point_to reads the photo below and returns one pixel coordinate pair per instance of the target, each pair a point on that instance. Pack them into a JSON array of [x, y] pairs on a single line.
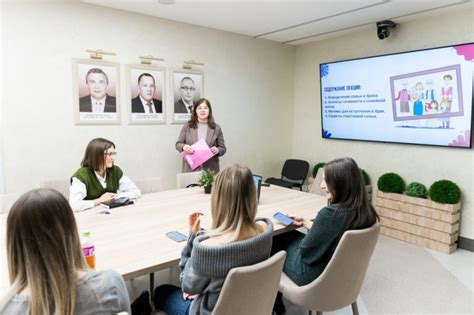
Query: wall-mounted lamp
[[146, 60], [97, 54], [189, 63]]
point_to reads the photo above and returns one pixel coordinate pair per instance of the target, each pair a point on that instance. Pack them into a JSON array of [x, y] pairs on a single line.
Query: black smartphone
[[283, 218], [177, 236], [121, 200]]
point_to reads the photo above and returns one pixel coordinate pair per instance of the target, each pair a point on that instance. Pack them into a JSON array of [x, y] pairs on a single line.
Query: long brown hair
[[233, 202], [194, 117], [344, 181], [94, 156], [44, 252]]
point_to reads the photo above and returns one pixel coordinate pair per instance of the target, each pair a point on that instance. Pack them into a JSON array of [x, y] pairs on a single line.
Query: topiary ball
[[445, 191], [317, 167], [417, 190], [365, 176], [391, 183]]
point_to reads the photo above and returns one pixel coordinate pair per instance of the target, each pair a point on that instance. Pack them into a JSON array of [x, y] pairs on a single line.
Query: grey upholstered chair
[[340, 283], [251, 289], [185, 179], [149, 185], [7, 201], [61, 185]]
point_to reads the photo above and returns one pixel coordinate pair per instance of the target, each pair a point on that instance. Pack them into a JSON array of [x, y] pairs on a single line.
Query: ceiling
[[286, 21]]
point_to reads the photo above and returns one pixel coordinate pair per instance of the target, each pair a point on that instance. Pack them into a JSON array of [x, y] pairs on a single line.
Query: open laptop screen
[[257, 179]]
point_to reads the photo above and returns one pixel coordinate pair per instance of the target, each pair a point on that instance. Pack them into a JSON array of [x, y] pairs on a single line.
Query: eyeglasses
[[188, 88], [111, 154]]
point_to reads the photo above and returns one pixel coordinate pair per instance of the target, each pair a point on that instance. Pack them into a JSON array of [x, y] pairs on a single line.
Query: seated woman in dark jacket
[[235, 239], [348, 209]]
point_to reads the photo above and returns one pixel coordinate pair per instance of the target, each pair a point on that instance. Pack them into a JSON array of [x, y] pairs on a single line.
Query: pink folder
[[201, 154]]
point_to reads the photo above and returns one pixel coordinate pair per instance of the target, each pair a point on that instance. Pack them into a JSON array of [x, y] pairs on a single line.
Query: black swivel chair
[[296, 170]]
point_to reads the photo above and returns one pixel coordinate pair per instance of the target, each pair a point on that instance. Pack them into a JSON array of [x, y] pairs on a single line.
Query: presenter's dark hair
[[344, 181], [94, 156], [194, 118], [97, 70], [145, 75]]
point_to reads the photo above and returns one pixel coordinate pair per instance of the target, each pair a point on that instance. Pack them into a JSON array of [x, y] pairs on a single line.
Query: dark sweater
[[308, 255], [93, 186]]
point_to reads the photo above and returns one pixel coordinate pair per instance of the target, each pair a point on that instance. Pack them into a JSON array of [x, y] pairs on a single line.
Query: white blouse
[[78, 191]]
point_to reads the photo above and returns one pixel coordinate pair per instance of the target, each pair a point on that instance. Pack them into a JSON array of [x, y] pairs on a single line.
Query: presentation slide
[[420, 97]]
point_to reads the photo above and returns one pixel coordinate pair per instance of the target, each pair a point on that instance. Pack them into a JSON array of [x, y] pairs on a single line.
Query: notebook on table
[[123, 201]]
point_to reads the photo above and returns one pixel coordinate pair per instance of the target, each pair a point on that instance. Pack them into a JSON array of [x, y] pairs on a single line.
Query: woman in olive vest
[[99, 180]]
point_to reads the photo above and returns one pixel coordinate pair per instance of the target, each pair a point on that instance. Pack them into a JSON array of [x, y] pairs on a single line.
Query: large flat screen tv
[[418, 97]]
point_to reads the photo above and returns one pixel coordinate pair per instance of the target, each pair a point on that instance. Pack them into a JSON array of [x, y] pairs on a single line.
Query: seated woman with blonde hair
[[235, 239], [48, 273]]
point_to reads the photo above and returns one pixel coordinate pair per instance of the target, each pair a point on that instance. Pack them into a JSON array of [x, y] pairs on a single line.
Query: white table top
[[132, 240]]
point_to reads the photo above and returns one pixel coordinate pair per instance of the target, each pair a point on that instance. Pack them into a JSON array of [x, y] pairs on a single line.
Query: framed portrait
[[145, 94], [188, 87], [96, 92]]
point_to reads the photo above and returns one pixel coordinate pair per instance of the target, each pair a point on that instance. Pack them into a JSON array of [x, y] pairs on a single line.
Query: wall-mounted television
[[417, 97]]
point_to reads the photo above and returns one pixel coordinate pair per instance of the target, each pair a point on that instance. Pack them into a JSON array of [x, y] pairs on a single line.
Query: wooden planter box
[[419, 221]]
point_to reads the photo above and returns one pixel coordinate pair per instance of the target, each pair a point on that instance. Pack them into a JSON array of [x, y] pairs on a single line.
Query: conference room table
[[132, 239]]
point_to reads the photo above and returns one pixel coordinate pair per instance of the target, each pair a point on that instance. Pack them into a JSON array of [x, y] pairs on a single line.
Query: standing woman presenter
[[202, 126]]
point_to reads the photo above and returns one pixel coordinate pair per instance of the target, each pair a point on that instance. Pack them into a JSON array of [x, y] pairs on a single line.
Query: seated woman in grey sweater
[[235, 239], [48, 273]]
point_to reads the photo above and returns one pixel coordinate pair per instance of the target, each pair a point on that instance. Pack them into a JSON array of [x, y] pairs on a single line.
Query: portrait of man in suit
[[97, 101], [186, 89], [145, 101]]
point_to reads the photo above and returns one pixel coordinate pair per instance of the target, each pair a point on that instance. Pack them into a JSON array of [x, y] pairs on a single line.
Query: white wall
[[252, 84], [413, 163], [248, 81]]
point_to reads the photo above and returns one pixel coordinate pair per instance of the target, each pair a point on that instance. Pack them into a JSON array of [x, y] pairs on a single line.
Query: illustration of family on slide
[[426, 100]]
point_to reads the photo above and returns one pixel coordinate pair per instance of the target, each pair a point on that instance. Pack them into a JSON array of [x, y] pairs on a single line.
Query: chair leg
[[152, 285], [355, 310]]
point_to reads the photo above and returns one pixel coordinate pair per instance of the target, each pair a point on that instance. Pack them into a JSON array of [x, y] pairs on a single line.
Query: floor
[[402, 279], [406, 279]]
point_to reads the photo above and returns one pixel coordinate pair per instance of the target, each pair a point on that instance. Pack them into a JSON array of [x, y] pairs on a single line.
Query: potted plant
[[417, 190], [312, 179], [428, 218], [206, 180], [445, 191], [317, 167]]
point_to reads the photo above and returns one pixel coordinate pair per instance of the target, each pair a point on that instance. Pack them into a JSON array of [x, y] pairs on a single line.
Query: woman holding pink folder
[[202, 126]]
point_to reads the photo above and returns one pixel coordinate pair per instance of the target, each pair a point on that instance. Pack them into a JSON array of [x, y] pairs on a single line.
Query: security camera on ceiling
[[384, 28]]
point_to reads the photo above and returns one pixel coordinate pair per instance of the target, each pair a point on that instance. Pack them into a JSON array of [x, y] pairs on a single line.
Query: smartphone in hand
[[176, 236], [283, 218]]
